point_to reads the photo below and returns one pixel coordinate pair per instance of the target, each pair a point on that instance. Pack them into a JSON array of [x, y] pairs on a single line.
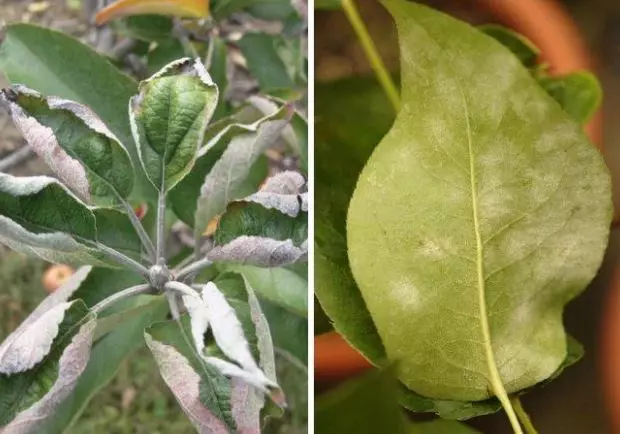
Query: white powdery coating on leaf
[[184, 382], [85, 114], [259, 251], [42, 140], [226, 327], [56, 247], [71, 365], [246, 404], [33, 343], [256, 378], [304, 202], [288, 182], [199, 320]]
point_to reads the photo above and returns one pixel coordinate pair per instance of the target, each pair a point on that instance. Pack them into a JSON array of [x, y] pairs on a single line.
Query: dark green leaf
[[169, 118], [163, 53], [219, 73], [289, 330], [114, 229], [264, 62], [519, 45], [149, 28]]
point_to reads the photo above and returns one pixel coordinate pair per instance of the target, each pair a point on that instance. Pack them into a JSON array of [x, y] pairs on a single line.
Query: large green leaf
[[114, 229], [39, 216], [289, 330], [486, 185], [74, 142], [169, 117], [66, 68], [341, 150]]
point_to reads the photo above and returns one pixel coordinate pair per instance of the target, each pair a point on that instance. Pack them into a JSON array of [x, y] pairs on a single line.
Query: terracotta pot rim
[[551, 29]]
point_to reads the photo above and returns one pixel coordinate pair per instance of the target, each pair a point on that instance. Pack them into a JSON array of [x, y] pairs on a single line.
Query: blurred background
[[581, 400]]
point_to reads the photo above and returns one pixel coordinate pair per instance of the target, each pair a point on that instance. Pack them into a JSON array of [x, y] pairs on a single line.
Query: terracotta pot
[[550, 28]]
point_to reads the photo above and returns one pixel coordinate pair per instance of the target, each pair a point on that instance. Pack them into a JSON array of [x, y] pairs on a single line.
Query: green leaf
[[327, 4], [66, 68], [114, 229], [341, 150], [202, 392], [100, 283], [106, 356], [365, 405], [579, 93], [518, 44], [289, 330], [485, 186], [300, 128], [225, 181], [39, 216], [169, 118], [74, 142], [149, 28], [29, 397], [278, 285], [163, 53], [264, 63], [219, 72]]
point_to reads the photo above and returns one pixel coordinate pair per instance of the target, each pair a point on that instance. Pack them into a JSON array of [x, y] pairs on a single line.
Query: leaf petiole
[[137, 224], [523, 416], [122, 259], [193, 268], [125, 293], [161, 228]]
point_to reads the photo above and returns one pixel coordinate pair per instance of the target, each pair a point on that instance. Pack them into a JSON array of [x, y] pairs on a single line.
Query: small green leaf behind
[[31, 395], [148, 28], [74, 142], [40, 217], [265, 63], [579, 93], [225, 181], [169, 117]]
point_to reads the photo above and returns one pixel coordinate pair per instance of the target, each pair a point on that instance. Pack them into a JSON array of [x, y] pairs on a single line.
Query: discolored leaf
[[39, 216], [204, 391], [468, 196], [30, 397], [169, 117], [224, 181], [174, 8], [74, 142], [259, 251], [283, 193]]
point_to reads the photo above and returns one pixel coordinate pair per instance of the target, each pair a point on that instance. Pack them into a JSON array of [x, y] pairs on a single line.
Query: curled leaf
[[74, 142], [223, 183], [28, 347], [281, 192], [259, 251], [174, 8], [169, 117]]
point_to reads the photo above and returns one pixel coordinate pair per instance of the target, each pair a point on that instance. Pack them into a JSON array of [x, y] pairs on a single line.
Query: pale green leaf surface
[[482, 183]]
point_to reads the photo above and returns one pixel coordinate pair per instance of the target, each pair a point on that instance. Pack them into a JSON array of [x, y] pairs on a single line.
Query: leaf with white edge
[[252, 219], [485, 186], [281, 192], [29, 347], [223, 183], [31, 396], [39, 216], [184, 382], [74, 142], [259, 251], [209, 389], [169, 117]]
